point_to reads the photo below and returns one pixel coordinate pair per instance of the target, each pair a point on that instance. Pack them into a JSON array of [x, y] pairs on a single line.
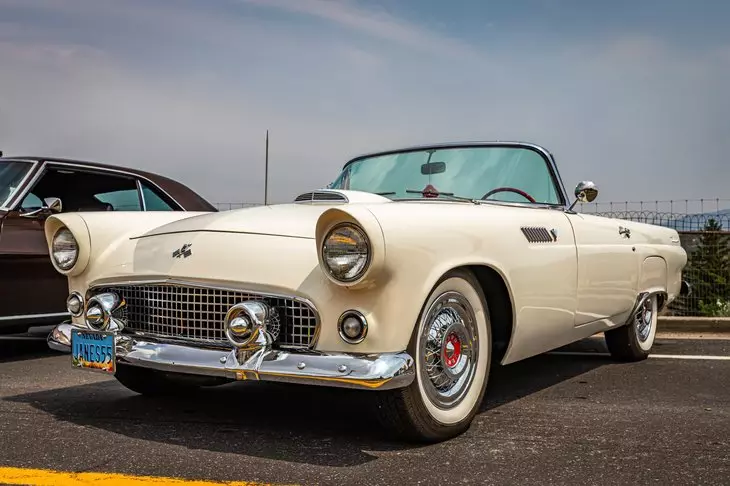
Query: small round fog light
[[352, 327], [75, 304]]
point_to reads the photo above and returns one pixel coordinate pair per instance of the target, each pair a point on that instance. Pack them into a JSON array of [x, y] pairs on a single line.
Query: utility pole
[[266, 172]]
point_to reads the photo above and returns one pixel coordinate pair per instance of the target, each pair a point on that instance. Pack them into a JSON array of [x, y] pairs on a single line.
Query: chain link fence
[[704, 230]]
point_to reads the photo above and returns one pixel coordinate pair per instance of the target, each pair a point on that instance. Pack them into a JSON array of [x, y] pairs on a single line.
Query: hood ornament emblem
[[183, 252]]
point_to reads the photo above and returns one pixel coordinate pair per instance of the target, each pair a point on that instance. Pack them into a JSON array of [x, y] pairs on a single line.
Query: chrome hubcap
[[448, 350], [644, 320]]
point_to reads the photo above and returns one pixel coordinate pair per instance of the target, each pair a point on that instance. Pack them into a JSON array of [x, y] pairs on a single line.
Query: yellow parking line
[[46, 477]]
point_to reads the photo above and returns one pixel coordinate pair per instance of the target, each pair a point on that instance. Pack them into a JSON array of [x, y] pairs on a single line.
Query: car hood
[[296, 220]]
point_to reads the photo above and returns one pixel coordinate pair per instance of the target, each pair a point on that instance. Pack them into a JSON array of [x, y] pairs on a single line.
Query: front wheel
[[633, 342], [451, 346]]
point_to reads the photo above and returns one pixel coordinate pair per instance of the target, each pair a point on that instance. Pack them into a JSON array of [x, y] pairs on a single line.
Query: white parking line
[[665, 356], [689, 356]]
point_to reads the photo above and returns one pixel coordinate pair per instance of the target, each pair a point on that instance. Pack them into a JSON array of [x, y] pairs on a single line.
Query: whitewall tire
[[633, 342], [452, 347]]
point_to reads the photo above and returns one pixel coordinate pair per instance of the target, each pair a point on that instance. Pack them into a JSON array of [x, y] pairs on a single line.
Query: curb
[[694, 324]]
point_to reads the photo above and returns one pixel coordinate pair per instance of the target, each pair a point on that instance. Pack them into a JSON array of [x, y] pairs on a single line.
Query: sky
[[630, 94]]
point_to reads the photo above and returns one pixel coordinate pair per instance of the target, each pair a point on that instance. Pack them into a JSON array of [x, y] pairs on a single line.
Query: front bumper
[[361, 371]]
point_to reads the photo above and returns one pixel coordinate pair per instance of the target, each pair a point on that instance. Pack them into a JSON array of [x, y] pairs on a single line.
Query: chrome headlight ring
[[64, 249], [346, 252]]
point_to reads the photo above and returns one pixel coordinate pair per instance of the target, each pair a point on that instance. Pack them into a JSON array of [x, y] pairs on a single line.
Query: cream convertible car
[[407, 277]]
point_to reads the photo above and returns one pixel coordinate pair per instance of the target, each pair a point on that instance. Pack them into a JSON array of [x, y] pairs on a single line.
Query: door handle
[[625, 232]]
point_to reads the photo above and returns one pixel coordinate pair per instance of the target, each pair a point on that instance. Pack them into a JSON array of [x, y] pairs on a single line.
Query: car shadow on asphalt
[[14, 349], [293, 423]]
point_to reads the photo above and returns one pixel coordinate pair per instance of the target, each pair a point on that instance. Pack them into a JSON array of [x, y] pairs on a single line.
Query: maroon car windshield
[[12, 173]]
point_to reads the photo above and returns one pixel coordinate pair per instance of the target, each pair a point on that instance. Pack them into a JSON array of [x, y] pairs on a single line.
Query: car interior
[[84, 190]]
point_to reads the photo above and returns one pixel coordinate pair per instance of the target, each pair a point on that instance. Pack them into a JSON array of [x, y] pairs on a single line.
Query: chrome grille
[[197, 313]]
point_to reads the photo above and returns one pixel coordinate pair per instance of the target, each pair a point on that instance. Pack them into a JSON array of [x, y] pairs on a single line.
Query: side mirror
[[585, 192], [50, 205], [53, 204]]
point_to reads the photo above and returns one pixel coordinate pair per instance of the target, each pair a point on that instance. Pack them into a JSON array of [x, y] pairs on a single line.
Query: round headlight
[[64, 249], [346, 252]]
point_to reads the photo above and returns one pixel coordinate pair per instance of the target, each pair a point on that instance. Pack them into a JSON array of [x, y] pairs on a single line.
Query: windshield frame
[[546, 156], [22, 186]]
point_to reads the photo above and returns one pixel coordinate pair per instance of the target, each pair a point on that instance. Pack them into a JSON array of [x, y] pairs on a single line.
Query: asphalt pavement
[[574, 418]]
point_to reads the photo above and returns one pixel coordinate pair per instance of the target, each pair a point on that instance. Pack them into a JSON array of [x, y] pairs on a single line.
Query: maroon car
[[31, 188]]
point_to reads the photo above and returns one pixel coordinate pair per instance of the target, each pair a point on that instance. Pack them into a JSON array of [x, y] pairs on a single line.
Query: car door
[[36, 291], [608, 270], [543, 276], [31, 289]]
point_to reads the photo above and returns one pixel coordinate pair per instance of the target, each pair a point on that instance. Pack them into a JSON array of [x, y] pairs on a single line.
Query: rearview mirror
[[585, 192], [433, 168]]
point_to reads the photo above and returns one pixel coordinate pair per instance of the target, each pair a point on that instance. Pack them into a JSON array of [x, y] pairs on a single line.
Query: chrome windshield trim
[[546, 155], [8, 205], [142, 202]]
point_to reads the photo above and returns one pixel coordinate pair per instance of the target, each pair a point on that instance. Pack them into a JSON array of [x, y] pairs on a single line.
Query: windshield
[[11, 175], [511, 174]]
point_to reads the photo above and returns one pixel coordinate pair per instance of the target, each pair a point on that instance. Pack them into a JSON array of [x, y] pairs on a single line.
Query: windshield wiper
[[447, 194]]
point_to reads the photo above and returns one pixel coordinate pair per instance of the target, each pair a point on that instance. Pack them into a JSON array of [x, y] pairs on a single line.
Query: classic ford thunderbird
[[409, 276]]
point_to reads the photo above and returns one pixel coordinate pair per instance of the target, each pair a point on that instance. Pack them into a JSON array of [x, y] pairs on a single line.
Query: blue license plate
[[93, 350]]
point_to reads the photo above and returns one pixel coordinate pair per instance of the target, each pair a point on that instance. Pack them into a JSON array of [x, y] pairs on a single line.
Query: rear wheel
[[451, 346], [159, 383], [633, 342]]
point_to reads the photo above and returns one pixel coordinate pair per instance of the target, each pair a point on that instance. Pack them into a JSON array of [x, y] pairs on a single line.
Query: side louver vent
[[535, 234], [321, 196]]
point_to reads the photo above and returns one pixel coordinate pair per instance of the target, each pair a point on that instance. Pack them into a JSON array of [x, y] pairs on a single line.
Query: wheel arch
[[500, 304], [653, 279]]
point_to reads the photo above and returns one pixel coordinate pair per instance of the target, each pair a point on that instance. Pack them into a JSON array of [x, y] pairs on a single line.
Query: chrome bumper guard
[[360, 371]]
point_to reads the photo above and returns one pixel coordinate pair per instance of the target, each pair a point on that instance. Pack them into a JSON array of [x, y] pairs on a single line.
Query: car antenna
[[266, 171]]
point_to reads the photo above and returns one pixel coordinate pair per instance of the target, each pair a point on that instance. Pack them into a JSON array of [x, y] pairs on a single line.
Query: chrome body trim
[[323, 196], [102, 283], [359, 371]]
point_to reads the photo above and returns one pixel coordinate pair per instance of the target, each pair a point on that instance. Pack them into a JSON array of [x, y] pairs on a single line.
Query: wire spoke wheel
[[644, 320], [448, 350]]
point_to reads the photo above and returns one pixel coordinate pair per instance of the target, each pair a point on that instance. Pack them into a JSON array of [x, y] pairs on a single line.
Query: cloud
[[376, 23], [188, 90]]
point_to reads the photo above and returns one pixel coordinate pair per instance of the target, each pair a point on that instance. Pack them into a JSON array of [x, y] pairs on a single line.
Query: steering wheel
[[509, 189]]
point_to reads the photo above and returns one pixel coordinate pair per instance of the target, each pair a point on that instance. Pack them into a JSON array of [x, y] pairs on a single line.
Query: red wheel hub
[[452, 350]]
